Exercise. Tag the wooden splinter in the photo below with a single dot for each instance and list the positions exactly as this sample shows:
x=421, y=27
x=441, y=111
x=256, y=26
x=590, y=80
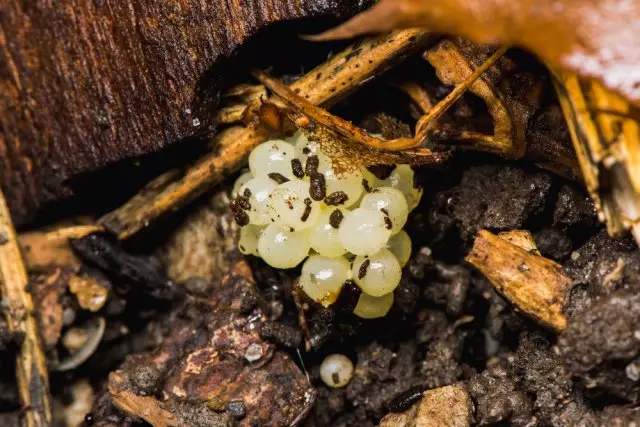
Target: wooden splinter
x=534, y=284
x=324, y=85
x=31, y=364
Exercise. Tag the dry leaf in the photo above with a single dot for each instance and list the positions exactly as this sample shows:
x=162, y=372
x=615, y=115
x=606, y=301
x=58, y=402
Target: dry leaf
x=596, y=39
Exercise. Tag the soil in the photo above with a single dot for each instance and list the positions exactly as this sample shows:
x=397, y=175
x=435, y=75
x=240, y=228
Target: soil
x=174, y=294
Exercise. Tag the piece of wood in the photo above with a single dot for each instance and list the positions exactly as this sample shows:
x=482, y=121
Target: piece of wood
x=534, y=284
x=84, y=84
x=330, y=81
x=31, y=364
x=448, y=406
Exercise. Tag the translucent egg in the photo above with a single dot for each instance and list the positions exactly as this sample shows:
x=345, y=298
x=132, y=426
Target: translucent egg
x=260, y=188
x=249, y=236
x=282, y=248
x=364, y=231
x=305, y=148
x=324, y=237
x=389, y=201
x=272, y=157
x=322, y=278
x=242, y=179
x=400, y=245
x=402, y=179
x=378, y=274
x=336, y=370
x=290, y=206
x=369, y=307
x=350, y=183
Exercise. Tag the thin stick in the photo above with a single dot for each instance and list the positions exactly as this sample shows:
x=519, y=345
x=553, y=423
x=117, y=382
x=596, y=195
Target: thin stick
x=325, y=84
x=31, y=364
x=352, y=132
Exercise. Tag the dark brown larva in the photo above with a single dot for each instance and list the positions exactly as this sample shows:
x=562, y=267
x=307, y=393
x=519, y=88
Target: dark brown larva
x=277, y=177
x=296, y=167
x=312, y=165
x=335, y=219
x=318, y=187
x=307, y=210
x=336, y=198
x=404, y=400
x=362, y=271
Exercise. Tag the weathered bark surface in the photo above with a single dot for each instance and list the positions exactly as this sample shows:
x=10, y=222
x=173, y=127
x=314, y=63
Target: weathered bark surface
x=84, y=84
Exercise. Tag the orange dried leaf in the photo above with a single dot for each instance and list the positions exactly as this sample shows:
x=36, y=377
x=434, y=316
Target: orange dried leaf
x=598, y=39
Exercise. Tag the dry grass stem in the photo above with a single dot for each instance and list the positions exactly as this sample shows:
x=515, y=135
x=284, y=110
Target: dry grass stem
x=31, y=364
x=606, y=136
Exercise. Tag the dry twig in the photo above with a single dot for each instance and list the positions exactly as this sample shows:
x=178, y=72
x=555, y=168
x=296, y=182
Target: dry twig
x=325, y=84
x=606, y=137
x=534, y=284
x=31, y=364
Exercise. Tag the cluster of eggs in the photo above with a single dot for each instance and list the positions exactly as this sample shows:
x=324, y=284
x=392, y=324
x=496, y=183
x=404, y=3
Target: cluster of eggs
x=292, y=206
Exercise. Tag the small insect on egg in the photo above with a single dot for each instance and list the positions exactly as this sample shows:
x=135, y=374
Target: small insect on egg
x=370, y=307
x=400, y=245
x=349, y=183
x=322, y=278
x=377, y=274
x=364, y=231
x=282, y=248
x=290, y=206
x=336, y=370
x=323, y=235
x=242, y=179
x=272, y=157
x=249, y=236
x=305, y=148
x=390, y=202
x=259, y=189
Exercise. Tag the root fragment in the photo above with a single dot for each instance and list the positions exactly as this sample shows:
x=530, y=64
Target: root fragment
x=534, y=284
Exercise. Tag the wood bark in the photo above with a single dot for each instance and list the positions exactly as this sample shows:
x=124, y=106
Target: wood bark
x=85, y=84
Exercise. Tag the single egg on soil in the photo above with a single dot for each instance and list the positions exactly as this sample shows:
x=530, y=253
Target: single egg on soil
x=282, y=248
x=322, y=278
x=291, y=206
x=259, y=188
x=391, y=202
x=242, y=180
x=400, y=245
x=377, y=274
x=369, y=307
x=349, y=183
x=249, y=236
x=364, y=231
x=272, y=157
x=336, y=370
x=401, y=178
x=323, y=235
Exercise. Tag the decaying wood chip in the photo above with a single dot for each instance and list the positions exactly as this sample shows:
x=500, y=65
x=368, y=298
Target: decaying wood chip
x=606, y=136
x=213, y=359
x=448, y=406
x=47, y=289
x=534, y=284
x=325, y=84
x=31, y=364
x=45, y=249
x=91, y=294
x=593, y=38
x=522, y=239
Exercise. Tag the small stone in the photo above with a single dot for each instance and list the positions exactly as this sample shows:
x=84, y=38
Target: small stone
x=253, y=352
x=237, y=409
